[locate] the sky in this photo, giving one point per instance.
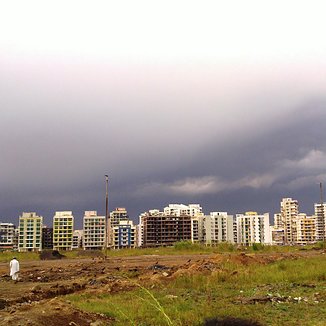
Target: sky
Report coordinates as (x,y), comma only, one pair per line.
(221,103)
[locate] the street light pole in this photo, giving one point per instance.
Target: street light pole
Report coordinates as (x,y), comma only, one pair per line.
(322,212)
(106,214)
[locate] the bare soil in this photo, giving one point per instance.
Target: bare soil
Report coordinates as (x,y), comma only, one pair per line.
(37,298)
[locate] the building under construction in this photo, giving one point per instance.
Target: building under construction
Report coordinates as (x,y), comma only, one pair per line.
(165,230)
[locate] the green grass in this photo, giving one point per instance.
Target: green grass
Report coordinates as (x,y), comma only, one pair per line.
(188,300)
(180,248)
(6,256)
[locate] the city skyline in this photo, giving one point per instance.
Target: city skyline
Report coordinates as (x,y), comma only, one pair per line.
(49,219)
(219,104)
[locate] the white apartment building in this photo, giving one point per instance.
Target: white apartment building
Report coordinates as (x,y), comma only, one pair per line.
(30,232)
(289,213)
(181,209)
(124,235)
(140,231)
(7,236)
(306,229)
(119,214)
(63,226)
(278,221)
(253,228)
(94,231)
(77,239)
(196,229)
(278,230)
(116,216)
(218,227)
(320,213)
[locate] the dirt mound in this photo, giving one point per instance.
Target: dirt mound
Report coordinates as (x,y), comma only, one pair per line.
(51,313)
(51,255)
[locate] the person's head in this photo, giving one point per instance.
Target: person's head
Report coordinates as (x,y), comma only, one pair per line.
(14,258)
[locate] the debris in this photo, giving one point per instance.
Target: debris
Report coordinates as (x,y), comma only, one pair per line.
(171,296)
(159,267)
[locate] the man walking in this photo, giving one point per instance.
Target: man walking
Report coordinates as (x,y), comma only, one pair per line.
(14,269)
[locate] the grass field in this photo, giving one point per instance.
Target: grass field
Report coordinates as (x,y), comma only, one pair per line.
(179,248)
(287,292)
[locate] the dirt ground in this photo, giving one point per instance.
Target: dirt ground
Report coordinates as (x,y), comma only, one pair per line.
(36,298)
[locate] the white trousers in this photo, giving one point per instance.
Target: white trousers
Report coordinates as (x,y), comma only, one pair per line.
(15,276)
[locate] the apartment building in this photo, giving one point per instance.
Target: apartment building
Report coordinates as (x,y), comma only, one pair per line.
(320,214)
(306,229)
(217,227)
(77,239)
(278,232)
(30,232)
(7,236)
(253,228)
(63,226)
(140,231)
(124,235)
(289,214)
(94,229)
(119,214)
(165,230)
(47,237)
(196,229)
(181,209)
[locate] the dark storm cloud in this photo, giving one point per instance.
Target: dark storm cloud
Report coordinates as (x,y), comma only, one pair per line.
(285,161)
(215,112)
(156,149)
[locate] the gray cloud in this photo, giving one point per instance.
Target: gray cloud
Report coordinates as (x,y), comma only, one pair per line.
(231,137)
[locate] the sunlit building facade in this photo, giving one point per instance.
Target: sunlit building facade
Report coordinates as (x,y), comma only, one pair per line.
(94,231)
(30,232)
(253,228)
(63,227)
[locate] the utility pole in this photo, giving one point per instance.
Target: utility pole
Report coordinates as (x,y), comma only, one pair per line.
(106,214)
(322,212)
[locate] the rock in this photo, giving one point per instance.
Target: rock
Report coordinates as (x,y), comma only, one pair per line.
(97,323)
(3,304)
(36,289)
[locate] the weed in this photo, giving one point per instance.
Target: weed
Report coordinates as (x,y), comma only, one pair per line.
(190,299)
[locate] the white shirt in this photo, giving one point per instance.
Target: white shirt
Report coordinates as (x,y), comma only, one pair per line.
(14,266)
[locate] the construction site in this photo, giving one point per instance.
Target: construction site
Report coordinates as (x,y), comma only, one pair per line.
(41,296)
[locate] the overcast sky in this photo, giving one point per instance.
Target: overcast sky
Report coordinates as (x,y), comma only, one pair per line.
(221,103)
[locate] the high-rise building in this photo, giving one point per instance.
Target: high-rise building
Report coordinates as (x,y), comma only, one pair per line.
(140,231)
(30,232)
(63,226)
(165,230)
(320,213)
(289,213)
(7,236)
(253,228)
(278,230)
(181,209)
(119,214)
(94,231)
(124,235)
(306,229)
(77,239)
(47,237)
(196,228)
(218,227)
